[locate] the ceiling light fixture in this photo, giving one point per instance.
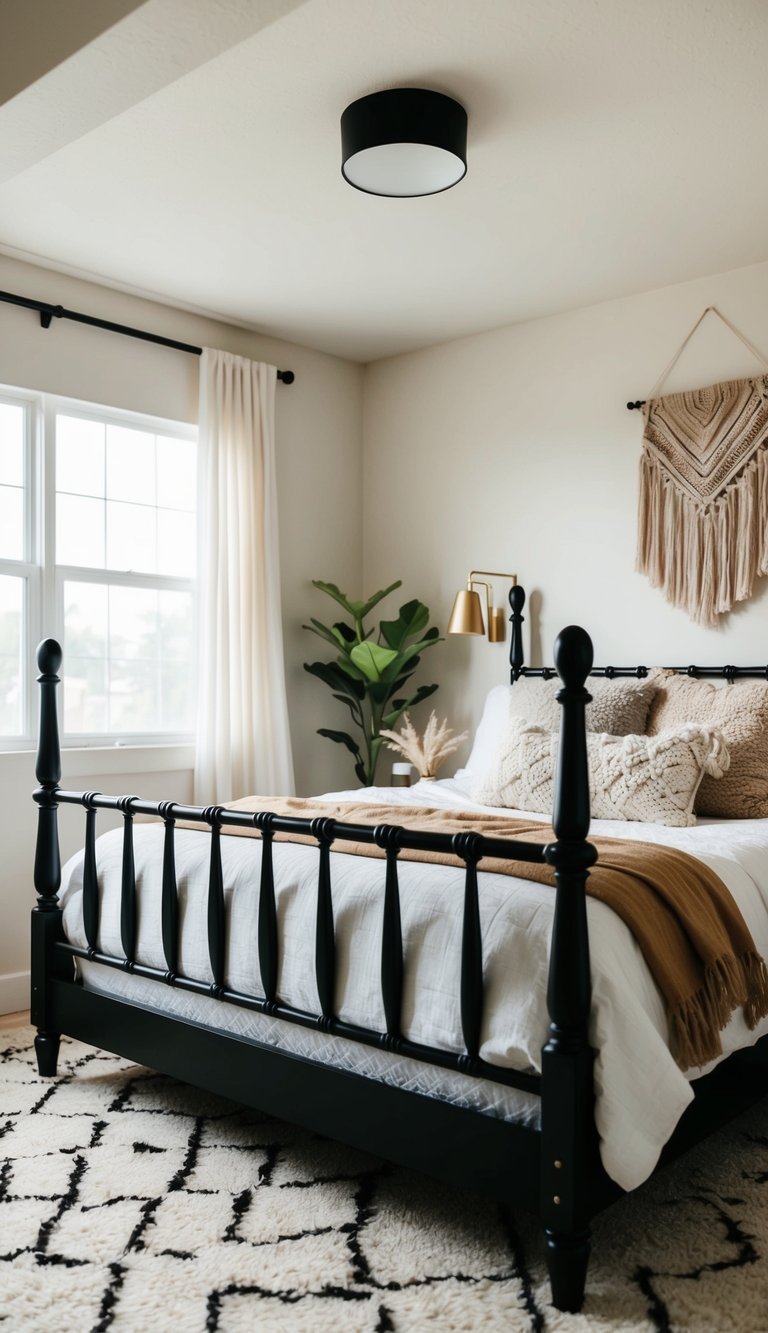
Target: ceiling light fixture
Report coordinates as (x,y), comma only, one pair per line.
(404,142)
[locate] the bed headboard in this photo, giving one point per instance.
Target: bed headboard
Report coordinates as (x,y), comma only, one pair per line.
(518,668)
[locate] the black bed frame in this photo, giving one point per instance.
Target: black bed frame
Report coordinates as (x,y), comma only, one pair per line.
(555,1172)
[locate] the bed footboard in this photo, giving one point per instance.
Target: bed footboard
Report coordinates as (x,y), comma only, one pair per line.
(552,1172)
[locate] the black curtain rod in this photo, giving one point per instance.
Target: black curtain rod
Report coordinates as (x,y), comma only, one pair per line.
(48,312)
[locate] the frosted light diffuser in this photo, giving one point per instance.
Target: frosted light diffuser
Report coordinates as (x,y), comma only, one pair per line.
(404,142)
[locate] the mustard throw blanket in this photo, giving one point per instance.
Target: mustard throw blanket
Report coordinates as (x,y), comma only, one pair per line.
(702,532)
(692,936)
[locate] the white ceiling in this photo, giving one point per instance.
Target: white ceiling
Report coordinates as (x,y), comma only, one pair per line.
(192,152)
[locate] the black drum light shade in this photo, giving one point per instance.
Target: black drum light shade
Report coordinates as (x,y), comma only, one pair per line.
(404,142)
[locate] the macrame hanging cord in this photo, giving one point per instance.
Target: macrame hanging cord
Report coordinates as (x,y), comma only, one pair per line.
(703,509)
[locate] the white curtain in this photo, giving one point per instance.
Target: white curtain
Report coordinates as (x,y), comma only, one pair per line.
(243,737)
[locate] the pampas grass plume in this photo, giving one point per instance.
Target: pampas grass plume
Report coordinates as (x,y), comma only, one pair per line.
(427,752)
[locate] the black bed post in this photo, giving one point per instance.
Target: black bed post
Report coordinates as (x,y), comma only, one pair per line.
(516,653)
(46,916)
(567,1111)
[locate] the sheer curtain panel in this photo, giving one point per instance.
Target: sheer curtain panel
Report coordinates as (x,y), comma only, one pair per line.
(243,736)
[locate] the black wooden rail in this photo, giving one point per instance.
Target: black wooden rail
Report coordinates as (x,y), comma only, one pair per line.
(392,839)
(728,673)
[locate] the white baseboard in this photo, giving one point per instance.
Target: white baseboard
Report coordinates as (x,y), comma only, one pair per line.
(14,992)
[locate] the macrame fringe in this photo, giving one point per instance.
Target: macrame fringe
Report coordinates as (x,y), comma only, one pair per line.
(696,1023)
(703,559)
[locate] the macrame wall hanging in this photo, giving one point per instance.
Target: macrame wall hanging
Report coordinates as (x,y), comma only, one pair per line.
(703,513)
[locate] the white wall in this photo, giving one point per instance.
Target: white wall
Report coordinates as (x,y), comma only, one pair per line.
(319,421)
(514,450)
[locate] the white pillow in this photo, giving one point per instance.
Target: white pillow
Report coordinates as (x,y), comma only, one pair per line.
(489,732)
(653,779)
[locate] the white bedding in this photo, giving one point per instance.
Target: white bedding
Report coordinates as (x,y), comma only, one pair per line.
(641,1092)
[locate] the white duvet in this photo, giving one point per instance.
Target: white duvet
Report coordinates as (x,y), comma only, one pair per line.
(640,1091)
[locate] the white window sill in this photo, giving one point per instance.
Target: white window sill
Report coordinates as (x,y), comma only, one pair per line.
(105,760)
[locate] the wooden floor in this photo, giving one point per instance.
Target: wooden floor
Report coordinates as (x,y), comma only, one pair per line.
(8,1021)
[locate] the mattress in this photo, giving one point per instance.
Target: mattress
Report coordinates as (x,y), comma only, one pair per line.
(640,1090)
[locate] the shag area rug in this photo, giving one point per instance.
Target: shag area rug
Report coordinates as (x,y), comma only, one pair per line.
(132,1202)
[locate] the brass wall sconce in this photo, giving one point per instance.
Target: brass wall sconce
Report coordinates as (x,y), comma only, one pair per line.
(467,613)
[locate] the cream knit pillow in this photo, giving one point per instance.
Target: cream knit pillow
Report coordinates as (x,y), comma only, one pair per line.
(653,779)
(740,712)
(619,707)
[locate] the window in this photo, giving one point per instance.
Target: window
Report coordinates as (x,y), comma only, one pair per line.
(97,547)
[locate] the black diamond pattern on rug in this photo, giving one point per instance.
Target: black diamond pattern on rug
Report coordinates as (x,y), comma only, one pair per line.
(129,1201)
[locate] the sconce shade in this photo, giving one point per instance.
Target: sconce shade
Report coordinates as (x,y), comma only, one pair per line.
(404,142)
(467,614)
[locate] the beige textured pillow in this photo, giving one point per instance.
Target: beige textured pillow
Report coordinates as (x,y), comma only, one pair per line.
(740,712)
(653,779)
(619,707)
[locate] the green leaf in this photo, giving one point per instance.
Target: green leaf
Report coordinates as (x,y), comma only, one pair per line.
(399,706)
(422,693)
(352,608)
(367,607)
(352,704)
(357,610)
(413,618)
(403,679)
(338,680)
(341,738)
(394,671)
(346,665)
(345,632)
(323,632)
(372,659)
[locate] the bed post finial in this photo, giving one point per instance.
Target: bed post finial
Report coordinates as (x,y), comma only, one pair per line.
(46,916)
(48,774)
(567,1091)
(516,653)
(574,656)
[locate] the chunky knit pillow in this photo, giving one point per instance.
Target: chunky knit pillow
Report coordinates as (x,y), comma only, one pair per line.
(619,707)
(653,779)
(740,712)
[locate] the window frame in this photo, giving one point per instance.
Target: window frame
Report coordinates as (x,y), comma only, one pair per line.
(43,613)
(28,568)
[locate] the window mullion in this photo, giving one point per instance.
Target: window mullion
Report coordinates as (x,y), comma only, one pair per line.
(48,531)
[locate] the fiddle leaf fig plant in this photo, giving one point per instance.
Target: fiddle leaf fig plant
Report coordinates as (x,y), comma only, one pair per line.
(371,669)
